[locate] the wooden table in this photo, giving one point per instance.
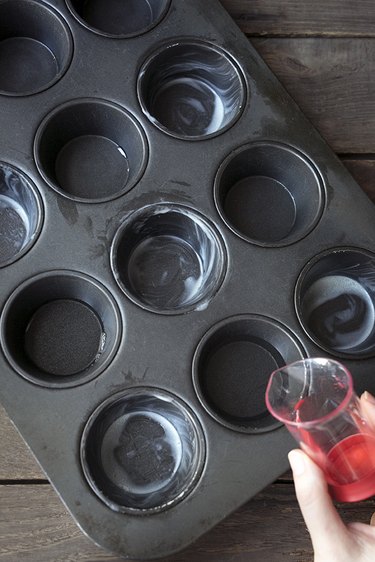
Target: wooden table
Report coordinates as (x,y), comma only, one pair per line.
(324,54)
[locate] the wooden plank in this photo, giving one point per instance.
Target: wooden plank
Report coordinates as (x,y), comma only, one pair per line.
(304,17)
(332,82)
(363,171)
(16,461)
(35,527)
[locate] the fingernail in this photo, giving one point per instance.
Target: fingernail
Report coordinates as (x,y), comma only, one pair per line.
(297,462)
(369,397)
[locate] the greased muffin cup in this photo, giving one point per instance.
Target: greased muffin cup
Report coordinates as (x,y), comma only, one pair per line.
(142,451)
(21,214)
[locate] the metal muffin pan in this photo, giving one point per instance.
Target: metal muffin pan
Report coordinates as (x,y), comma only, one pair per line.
(172,230)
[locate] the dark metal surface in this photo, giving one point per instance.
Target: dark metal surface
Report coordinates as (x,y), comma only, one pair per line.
(102,149)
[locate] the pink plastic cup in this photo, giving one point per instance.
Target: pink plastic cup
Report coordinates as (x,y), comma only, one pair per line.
(315,400)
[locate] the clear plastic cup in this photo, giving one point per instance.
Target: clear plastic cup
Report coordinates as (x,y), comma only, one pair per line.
(316,401)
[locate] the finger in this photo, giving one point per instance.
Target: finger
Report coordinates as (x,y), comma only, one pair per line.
(319,513)
(368,408)
(364,530)
(372,520)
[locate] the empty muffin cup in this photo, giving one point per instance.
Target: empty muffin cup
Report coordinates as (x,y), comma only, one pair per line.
(119,19)
(232,365)
(90,150)
(168,259)
(191,90)
(20,214)
(60,329)
(142,451)
(35,47)
(269,194)
(335,301)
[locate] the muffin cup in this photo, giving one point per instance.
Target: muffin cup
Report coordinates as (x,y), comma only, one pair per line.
(232,365)
(90,150)
(60,329)
(35,47)
(191,90)
(142,451)
(335,301)
(21,214)
(168,259)
(269,194)
(119,20)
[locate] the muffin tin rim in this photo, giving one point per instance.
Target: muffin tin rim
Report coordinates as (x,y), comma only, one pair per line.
(40,210)
(52,113)
(70,39)
(192,212)
(184,407)
(122,36)
(291,148)
(199,347)
(297,304)
(61,383)
(171,42)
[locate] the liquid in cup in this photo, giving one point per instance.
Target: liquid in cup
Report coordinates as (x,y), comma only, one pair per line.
(316,401)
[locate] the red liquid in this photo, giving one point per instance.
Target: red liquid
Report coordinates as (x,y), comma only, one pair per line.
(351,468)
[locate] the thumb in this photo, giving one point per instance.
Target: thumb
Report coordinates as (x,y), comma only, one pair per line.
(368,408)
(323,522)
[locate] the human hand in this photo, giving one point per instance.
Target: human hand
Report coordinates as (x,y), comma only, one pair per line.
(332,540)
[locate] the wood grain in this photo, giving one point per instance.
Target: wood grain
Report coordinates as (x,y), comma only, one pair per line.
(363,171)
(16,461)
(329,74)
(36,527)
(331,81)
(303,17)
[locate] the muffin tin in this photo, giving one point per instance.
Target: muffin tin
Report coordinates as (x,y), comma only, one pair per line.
(172,230)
